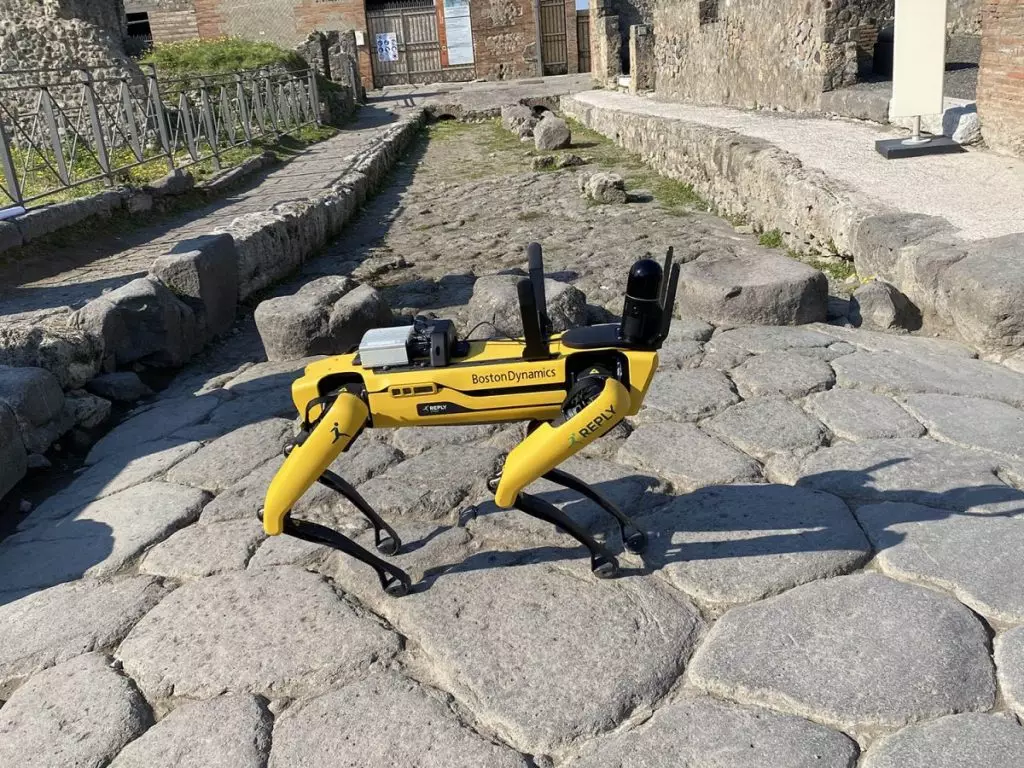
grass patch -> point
(771, 239)
(219, 55)
(445, 130)
(839, 270)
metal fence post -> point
(7, 166)
(208, 120)
(257, 100)
(157, 103)
(314, 97)
(243, 108)
(89, 94)
(129, 118)
(50, 118)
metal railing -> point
(71, 129)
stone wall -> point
(169, 20)
(1001, 76)
(504, 38)
(964, 17)
(63, 34)
(717, 52)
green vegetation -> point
(771, 239)
(839, 270)
(40, 177)
(219, 55)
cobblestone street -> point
(834, 576)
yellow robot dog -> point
(572, 388)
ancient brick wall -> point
(169, 20)
(504, 38)
(764, 52)
(1001, 75)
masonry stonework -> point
(63, 34)
(1001, 75)
(504, 38)
(711, 51)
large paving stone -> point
(875, 341)
(736, 544)
(116, 473)
(432, 485)
(415, 440)
(230, 458)
(231, 731)
(758, 339)
(853, 414)
(496, 301)
(686, 457)
(765, 427)
(752, 288)
(36, 399)
(702, 731)
(860, 653)
(153, 423)
(78, 714)
(521, 638)
(955, 741)
(975, 556)
(1009, 655)
(57, 624)
(203, 550)
(689, 395)
(275, 632)
(782, 373)
(242, 500)
(971, 422)
(897, 374)
(379, 722)
(919, 471)
(99, 539)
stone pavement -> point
(980, 193)
(833, 579)
(74, 274)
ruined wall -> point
(285, 22)
(964, 17)
(1001, 75)
(504, 38)
(169, 20)
(63, 34)
(763, 52)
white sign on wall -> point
(919, 58)
(458, 32)
(387, 46)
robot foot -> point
(393, 580)
(633, 539)
(602, 562)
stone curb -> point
(972, 290)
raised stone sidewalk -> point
(947, 231)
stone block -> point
(955, 740)
(858, 652)
(13, 459)
(604, 188)
(79, 713)
(551, 133)
(519, 119)
(495, 300)
(203, 272)
(43, 339)
(177, 182)
(785, 374)
(962, 124)
(10, 236)
(122, 386)
(855, 415)
(141, 321)
(881, 306)
(85, 410)
(227, 633)
(752, 289)
(326, 316)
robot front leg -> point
(635, 542)
(307, 463)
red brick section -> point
(336, 15)
(208, 18)
(504, 38)
(1001, 75)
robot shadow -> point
(756, 521)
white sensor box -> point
(383, 347)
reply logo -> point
(512, 376)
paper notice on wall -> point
(387, 46)
(919, 58)
(458, 32)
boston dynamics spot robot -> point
(572, 388)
